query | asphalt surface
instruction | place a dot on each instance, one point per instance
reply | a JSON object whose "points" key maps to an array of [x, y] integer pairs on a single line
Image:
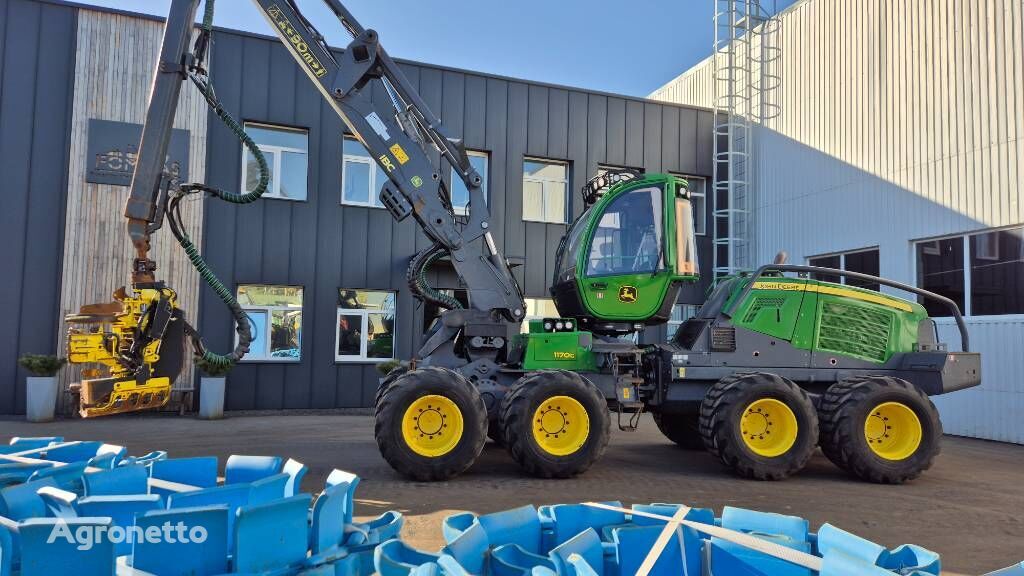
{"points": [[969, 507]]}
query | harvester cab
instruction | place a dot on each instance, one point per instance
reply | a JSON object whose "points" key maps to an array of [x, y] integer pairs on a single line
{"points": [[623, 261]]}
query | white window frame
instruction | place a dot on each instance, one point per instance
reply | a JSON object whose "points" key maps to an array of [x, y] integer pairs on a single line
{"points": [[544, 182], [374, 198], [842, 258], [274, 191], [700, 221], [363, 342], [965, 238], [464, 210], [264, 355]]}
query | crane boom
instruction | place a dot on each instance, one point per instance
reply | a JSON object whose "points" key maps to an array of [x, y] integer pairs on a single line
{"points": [[380, 107]]}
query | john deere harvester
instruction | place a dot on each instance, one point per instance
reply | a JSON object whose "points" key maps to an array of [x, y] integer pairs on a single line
{"points": [[770, 367]]}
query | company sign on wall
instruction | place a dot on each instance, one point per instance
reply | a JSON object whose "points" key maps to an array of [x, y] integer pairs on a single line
{"points": [[113, 147]]}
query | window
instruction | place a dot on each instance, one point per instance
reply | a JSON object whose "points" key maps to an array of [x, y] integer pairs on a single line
{"points": [[982, 272], [537, 309], [863, 261], [361, 177], [545, 191], [275, 318], [365, 329], [286, 152], [680, 313], [697, 187], [459, 192], [628, 236]]}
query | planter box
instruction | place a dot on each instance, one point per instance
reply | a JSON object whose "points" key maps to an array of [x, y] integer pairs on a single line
{"points": [[211, 397], [40, 398]]}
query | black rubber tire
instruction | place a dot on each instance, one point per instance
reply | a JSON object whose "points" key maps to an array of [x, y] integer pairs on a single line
{"points": [[723, 407], [844, 409], [683, 429], [392, 375], [519, 405], [394, 401]]}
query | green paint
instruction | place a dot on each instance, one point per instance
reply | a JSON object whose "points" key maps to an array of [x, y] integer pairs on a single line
{"points": [[849, 323], [556, 350]]}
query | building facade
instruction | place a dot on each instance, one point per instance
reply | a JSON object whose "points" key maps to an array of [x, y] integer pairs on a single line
{"points": [[898, 148], [318, 264]]}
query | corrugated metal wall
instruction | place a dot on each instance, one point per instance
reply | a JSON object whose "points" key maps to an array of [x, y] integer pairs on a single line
{"points": [[900, 120], [37, 62], [323, 246]]}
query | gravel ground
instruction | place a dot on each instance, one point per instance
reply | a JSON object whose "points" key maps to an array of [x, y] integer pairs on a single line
{"points": [[969, 506]]}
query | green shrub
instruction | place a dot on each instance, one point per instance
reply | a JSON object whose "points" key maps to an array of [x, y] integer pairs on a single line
{"points": [[42, 364], [386, 367], [212, 369]]}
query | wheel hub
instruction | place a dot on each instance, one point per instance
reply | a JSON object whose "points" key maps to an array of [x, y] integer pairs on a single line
{"points": [[768, 427], [893, 431], [560, 425], [432, 425]]}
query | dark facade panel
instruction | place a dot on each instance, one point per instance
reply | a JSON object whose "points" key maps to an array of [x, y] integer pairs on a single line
{"points": [[37, 48], [322, 245]]}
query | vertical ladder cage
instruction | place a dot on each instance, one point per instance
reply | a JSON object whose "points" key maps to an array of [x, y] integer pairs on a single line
{"points": [[744, 87]]}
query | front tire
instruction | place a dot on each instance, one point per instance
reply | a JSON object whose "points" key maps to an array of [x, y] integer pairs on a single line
{"points": [[761, 425], [431, 424], [683, 429], [880, 429], [555, 423]]}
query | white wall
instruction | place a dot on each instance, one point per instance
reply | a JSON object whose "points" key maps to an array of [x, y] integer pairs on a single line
{"points": [[900, 120]]}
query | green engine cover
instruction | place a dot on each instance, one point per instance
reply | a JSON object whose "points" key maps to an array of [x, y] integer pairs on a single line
{"points": [[546, 350], [834, 318]]}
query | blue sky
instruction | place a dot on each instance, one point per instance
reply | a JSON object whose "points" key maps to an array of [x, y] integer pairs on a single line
{"points": [[623, 46]]}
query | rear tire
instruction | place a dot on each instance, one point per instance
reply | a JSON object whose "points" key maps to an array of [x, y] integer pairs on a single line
{"points": [[556, 423], [739, 414], [431, 424], [683, 429], [880, 429]]}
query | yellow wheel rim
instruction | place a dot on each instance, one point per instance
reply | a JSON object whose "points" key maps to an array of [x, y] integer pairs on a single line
{"points": [[432, 426], [893, 431], [561, 425], [768, 427]]}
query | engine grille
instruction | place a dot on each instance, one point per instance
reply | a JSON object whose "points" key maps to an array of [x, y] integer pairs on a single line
{"points": [[760, 303], [854, 330]]}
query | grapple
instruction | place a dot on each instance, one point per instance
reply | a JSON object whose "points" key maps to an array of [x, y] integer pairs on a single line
{"points": [[138, 340]]}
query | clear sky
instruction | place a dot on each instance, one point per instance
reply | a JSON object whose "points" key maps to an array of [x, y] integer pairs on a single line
{"points": [[623, 46]]}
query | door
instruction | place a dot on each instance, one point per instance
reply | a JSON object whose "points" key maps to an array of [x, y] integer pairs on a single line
{"points": [[625, 278]]}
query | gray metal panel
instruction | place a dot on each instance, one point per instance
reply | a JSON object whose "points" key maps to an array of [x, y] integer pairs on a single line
{"points": [[35, 76]]}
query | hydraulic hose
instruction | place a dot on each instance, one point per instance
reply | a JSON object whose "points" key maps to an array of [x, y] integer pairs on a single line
{"points": [[207, 359], [416, 275]]}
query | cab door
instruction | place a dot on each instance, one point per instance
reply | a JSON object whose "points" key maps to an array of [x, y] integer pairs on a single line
{"points": [[625, 277]]}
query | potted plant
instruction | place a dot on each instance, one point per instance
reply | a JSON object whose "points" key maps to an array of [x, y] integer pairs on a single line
{"points": [[41, 387], [211, 388]]}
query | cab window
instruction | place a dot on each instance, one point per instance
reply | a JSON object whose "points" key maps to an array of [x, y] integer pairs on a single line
{"points": [[627, 239]]}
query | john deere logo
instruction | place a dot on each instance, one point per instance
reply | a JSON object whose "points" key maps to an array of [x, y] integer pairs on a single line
{"points": [[627, 294]]}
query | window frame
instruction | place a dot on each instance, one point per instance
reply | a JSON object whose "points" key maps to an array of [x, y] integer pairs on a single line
{"points": [[703, 217], [842, 261], [374, 198], [484, 178], [274, 191], [544, 189], [965, 238], [673, 325], [269, 310], [364, 313]]}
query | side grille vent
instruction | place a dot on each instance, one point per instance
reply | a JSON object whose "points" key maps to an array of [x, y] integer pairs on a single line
{"points": [[760, 303], [723, 339], [855, 330]]}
